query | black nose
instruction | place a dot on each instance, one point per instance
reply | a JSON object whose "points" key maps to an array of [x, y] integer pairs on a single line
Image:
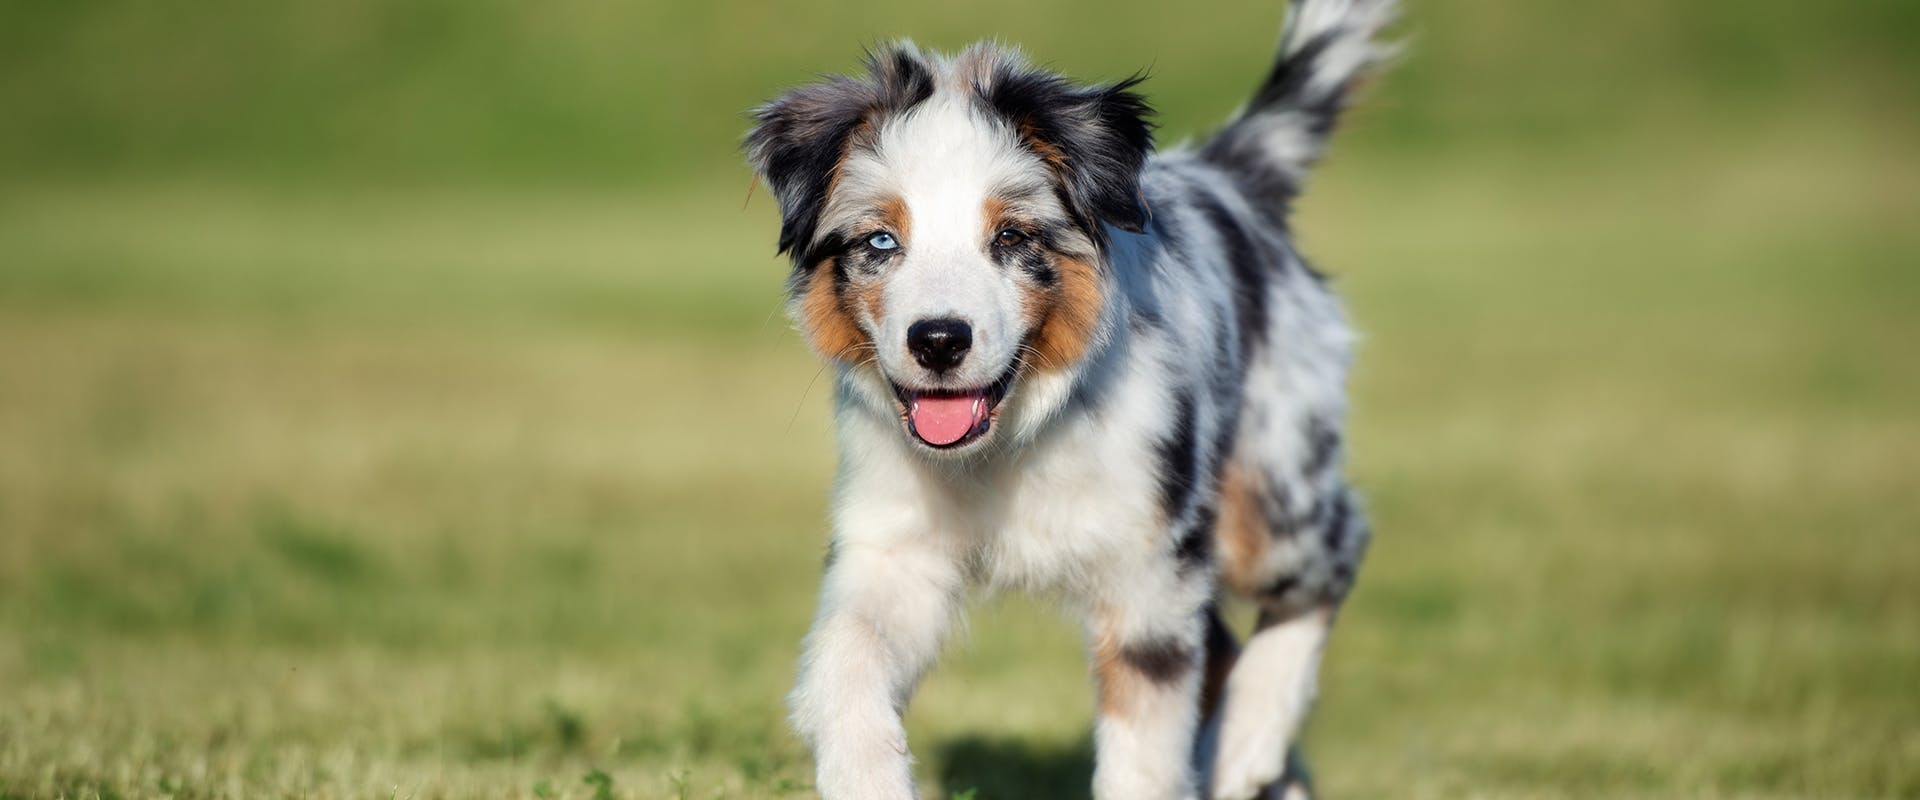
{"points": [[939, 344]]}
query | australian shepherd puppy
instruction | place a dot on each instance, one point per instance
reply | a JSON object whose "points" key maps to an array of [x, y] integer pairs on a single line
{"points": [[1069, 364]]}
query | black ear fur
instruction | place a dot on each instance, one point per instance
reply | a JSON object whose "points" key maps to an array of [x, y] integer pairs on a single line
{"points": [[1095, 137], [800, 137]]}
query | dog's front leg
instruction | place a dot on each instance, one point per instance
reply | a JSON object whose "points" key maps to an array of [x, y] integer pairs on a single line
{"points": [[889, 596], [1146, 643]]}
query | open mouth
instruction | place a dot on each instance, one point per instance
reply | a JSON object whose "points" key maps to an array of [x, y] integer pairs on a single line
{"points": [[947, 418]]}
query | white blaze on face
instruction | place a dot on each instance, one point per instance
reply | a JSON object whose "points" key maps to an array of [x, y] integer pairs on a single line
{"points": [[943, 160]]}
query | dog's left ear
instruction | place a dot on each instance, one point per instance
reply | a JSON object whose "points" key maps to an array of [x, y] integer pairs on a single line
{"points": [[1094, 137]]}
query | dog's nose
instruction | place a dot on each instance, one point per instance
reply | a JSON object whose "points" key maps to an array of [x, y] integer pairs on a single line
{"points": [[939, 344]]}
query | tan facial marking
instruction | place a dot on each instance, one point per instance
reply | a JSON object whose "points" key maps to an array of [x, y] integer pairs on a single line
{"points": [[827, 319], [893, 214], [869, 300], [827, 309], [1067, 314], [1064, 316], [993, 215]]}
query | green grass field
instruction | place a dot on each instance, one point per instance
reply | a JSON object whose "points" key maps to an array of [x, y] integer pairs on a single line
{"points": [[503, 477]]}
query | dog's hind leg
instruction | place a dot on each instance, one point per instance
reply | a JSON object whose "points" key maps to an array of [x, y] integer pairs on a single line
{"points": [[1291, 548], [1291, 538], [1267, 697]]}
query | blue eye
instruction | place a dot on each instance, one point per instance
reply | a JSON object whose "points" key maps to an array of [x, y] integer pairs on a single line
{"points": [[883, 241]]}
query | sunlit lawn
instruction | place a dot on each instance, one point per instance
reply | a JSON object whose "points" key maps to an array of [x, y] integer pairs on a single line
{"points": [[356, 493]]}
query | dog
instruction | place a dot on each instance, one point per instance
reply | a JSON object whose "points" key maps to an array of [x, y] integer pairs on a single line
{"points": [[1068, 364]]}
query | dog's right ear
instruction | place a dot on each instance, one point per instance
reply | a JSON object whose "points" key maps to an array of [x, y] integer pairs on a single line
{"points": [[801, 137], [797, 144]]}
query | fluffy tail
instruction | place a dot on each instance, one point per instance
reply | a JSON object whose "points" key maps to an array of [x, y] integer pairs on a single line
{"points": [[1325, 49]]}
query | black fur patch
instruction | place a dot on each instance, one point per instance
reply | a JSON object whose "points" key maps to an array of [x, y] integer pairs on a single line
{"points": [[1286, 84], [1223, 436], [1323, 442], [1280, 585], [1100, 133], [1030, 258], [1161, 661], [1276, 510], [801, 136], [1194, 550], [1220, 638], [1246, 159], [838, 243], [1336, 531], [1251, 271], [1343, 574], [1179, 457]]}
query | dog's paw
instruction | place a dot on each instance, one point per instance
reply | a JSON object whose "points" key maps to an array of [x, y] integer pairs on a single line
{"points": [[1249, 759], [875, 770]]}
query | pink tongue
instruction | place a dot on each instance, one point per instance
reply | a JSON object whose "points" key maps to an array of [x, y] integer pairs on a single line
{"points": [[945, 420]]}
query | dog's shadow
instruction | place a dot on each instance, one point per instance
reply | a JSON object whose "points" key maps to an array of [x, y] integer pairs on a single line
{"points": [[1011, 769]]}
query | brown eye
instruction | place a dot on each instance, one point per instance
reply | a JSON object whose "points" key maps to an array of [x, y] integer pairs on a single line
{"points": [[1009, 238]]}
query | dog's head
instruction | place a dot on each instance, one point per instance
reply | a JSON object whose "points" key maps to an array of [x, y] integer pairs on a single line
{"points": [[947, 220]]}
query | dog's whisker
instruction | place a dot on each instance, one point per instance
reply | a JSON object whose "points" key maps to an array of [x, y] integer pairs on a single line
{"points": [[839, 355], [802, 402], [1044, 360]]}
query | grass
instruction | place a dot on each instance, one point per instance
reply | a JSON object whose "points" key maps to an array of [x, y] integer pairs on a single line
{"points": [[446, 495], [501, 477]]}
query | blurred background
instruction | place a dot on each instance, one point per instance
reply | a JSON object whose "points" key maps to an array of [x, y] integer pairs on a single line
{"points": [[394, 400]]}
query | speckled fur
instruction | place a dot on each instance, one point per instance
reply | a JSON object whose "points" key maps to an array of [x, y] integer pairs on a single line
{"points": [[1179, 435]]}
